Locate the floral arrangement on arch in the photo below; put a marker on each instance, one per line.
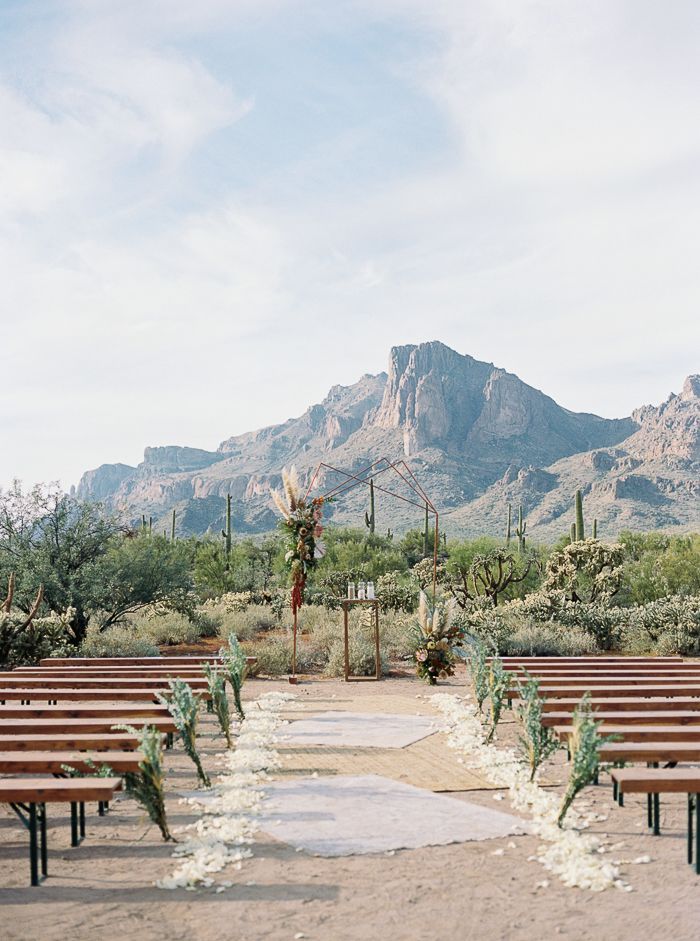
(436, 638)
(301, 525)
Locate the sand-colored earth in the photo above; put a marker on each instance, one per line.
(104, 888)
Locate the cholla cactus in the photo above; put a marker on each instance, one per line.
(217, 691)
(183, 706)
(147, 784)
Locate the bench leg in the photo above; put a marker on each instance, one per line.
(81, 817)
(74, 841)
(35, 821)
(33, 851)
(620, 799)
(43, 842)
(697, 834)
(650, 813)
(690, 828)
(657, 815)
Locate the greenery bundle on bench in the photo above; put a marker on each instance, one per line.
(183, 706)
(217, 690)
(147, 785)
(537, 741)
(236, 667)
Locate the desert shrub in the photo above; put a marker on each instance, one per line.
(116, 641)
(244, 623)
(668, 626)
(534, 639)
(361, 652)
(396, 633)
(168, 628)
(274, 656)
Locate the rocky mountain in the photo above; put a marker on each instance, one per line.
(476, 436)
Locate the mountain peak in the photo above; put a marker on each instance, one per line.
(691, 388)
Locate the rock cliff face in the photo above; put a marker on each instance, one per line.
(476, 435)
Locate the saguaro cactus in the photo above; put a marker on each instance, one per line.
(595, 528)
(370, 518)
(572, 532)
(510, 515)
(226, 533)
(520, 530)
(579, 516)
(172, 526)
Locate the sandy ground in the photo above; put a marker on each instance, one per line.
(103, 889)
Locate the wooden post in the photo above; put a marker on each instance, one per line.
(293, 675)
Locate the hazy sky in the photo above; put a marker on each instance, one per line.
(213, 210)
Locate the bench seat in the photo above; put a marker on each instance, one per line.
(51, 762)
(631, 704)
(87, 710)
(641, 733)
(627, 718)
(93, 725)
(28, 798)
(100, 741)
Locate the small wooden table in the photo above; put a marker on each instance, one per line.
(347, 604)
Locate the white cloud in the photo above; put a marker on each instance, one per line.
(549, 230)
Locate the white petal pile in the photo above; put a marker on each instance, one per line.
(222, 835)
(567, 853)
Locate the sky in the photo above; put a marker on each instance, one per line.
(211, 212)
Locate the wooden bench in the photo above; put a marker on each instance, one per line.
(12, 681)
(52, 762)
(650, 704)
(593, 682)
(88, 724)
(652, 752)
(617, 660)
(640, 733)
(133, 661)
(100, 741)
(88, 673)
(82, 695)
(656, 781)
(615, 691)
(87, 710)
(28, 798)
(628, 718)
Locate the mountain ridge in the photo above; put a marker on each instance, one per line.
(476, 435)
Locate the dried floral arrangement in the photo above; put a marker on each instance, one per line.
(301, 525)
(436, 638)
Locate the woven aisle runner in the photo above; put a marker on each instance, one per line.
(428, 763)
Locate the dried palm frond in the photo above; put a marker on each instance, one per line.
(290, 481)
(281, 503)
